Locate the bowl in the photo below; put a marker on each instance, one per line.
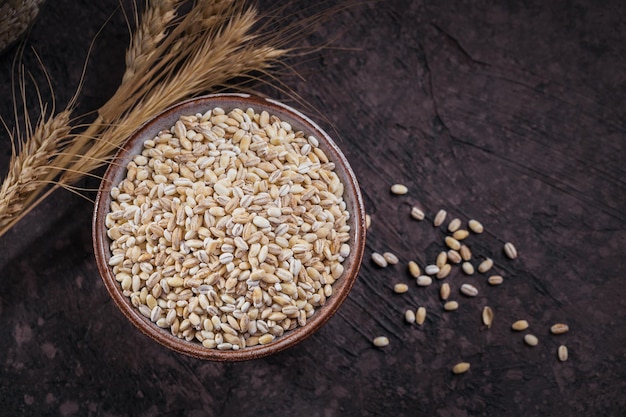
(117, 171)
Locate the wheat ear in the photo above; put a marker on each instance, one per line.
(29, 166)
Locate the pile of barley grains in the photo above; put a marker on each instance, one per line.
(229, 228)
(455, 252)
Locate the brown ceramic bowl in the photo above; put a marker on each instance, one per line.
(352, 196)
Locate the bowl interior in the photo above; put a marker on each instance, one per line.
(117, 172)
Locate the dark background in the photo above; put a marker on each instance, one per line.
(509, 112)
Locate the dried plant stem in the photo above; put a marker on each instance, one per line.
(29, 167)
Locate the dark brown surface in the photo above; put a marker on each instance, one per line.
(512, 114)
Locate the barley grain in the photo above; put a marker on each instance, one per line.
(520, 325)
(510, 250)
(451, 306)
(440, 217)
(461, 368)
(469, 290)
(420, 315)
(531, 340)
(460, 234)
(390, 258)
(468, 268)
(417, 213)
(559, 328)
(409, 316)
(485, 265)
(424, 280)
(431, 269)
(562, 353)
(487, 316)
(399, 189)
(381, 341)
(442, 259)
(454, 225)
(444, 271)
(400, 288)
(379, 260)
(266, 338)
(444, 291)
(414, 269)
(454, 256)
(465, 252)
(495, 280)
(475, 226)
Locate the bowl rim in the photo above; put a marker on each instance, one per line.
(194, 348)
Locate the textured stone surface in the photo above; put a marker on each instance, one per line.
(512, 114)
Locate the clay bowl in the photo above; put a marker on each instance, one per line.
(117, 171)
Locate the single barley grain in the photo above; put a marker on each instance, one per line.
(440, 217)
(368, 221)
(510, 250)
(452, 243)
(531, 340)
(390, 258)
(465, 252)
(444, 291)
(460, 234)
(454, 225)
(424, 281)
(417, 213)
(485, 265)
(420, 315)
(409, 316)
(562, 353)
(431, 269)
(475, 226)
(400, 288)
(468, 268)
(495, 280)
(451, 306)
(399, 189)
(444, 271)
(454, 256)
(469, 290)
(442, 259)
(520, 325)
(487, 316)
(461, 368)
(559, 328)
(414, 269)
(381, 341)
(379, 260)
